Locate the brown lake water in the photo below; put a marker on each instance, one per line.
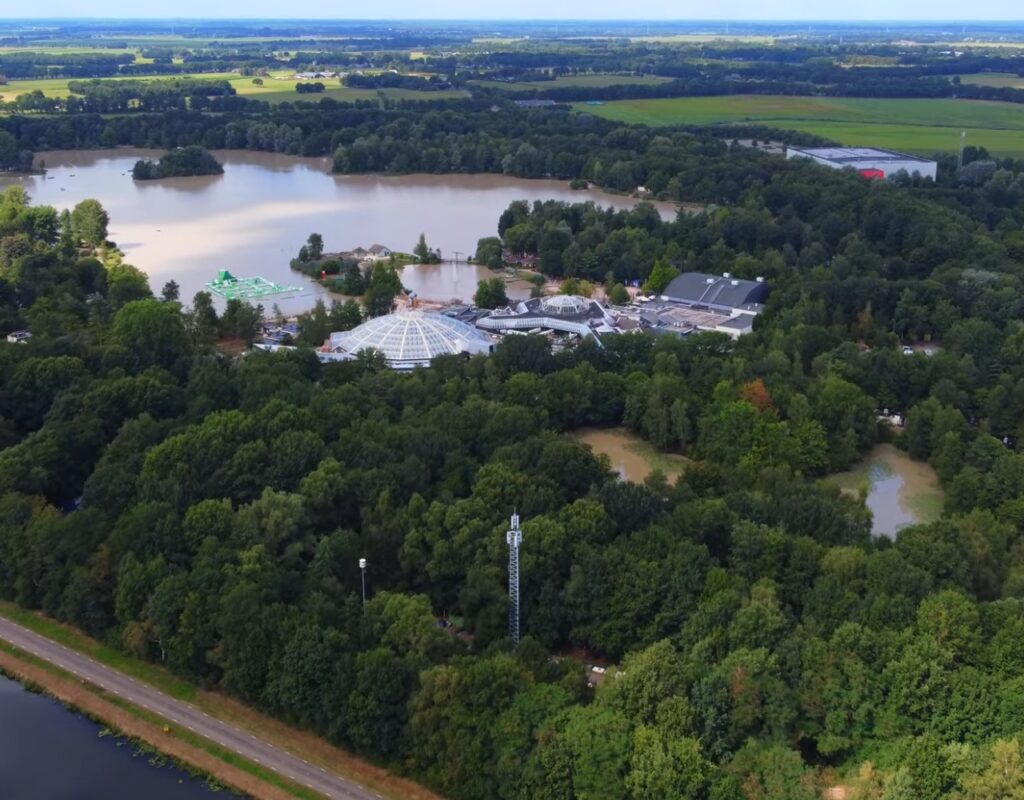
(253, 218)
(901, 491)
(630, 456)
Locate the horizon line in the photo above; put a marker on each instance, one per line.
(525, 20)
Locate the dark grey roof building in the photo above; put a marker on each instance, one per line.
(720, 293)
(563, 313)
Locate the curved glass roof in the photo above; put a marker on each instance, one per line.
(563, 304)
(413, 337)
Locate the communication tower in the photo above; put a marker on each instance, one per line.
(514, 538)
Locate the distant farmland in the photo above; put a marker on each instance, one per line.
(581, 81)
(916, 125)
(278, 87)
(1000, 79)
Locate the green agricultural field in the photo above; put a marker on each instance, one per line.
(278, 87)
(589, 81)
(915, 125)
(58, 87)
(1000, 79)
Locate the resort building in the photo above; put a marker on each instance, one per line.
(695, 301)
(562, 313)
(408, 339)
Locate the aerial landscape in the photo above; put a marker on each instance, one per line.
(514, 403)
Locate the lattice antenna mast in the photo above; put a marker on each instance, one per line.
(514, 538)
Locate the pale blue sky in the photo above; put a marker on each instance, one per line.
(916, 10)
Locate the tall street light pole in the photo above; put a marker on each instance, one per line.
(362, 569)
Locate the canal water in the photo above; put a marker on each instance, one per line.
(253, 218)
(49, 752)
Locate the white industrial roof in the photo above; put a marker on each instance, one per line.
(852, 155)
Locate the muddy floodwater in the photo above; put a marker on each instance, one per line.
(630, 456)
(901, 491)
(253, 218)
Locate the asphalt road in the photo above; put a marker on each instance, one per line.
(186, 715)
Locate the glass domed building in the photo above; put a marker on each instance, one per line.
(410, 339)
(564, 305)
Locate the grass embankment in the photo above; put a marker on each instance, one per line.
(277, 87)
(312, 748)
(915, 125)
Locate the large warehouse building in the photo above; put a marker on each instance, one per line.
(872, 162)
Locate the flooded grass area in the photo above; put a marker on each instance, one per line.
(900, 491)
(632, 457)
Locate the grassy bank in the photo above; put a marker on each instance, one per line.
(314, 749)
(916, 125)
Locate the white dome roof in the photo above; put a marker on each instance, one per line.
(563, 304)
(408, 338)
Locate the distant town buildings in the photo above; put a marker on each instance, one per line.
(872, 162)
(535, 103)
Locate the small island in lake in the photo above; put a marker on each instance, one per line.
(179, 163)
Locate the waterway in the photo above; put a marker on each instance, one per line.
(253, 218)
(49, 752)
(901, 491)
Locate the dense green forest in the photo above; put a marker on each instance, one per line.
(208, 512)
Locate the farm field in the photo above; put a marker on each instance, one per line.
(278, 87)
(590, 81)
(916, 125)
(1000, 79)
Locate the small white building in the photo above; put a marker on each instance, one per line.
(870, 161)
(19, 337)
(379, 252)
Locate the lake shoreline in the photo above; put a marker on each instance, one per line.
(325, 164)
(88, 701)
(253, 218)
